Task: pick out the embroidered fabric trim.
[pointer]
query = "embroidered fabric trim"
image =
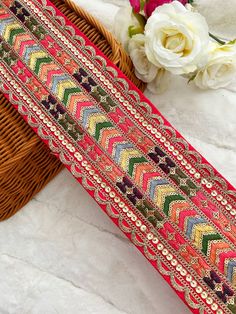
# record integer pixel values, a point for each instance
(171, 203)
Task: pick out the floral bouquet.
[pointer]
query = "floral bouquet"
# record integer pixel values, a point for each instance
(166, 37)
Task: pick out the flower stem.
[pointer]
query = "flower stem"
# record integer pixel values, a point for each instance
(217, 39)
(142, 4)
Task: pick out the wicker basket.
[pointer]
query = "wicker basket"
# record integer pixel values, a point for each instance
(26, 164)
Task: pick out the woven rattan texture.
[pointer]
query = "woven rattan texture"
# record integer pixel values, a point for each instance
(26, 164)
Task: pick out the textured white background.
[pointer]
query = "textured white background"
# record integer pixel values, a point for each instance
(62, 255)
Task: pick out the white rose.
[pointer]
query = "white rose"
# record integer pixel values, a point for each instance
(144, 69)
(176, 38)
(123, 20)
(220, 70)
(160, 83)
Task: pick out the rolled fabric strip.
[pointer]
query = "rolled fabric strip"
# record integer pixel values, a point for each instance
(165, 197)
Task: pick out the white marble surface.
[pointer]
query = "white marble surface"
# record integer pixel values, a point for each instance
(60, 254)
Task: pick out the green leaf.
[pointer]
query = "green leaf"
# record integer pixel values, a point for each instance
(231, 42)
(134, 30)
(192, 78)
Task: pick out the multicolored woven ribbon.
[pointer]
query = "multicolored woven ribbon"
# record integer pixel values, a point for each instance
(174, 206)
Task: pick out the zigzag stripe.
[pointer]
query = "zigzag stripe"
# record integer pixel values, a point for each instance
(140, 171)
(133, 164)
(34, 56)
(105, 135)
(21, 42)
(184, 216)
(224, 257)
(191, 222)
(53, 72)
(100, 127)
(161, 193)
(170, 199)
(108, 137)
(119, 147)
(47, 70)
(199, 231)
(76, 109)
(27, 49)
(62, 88)
(231, 271)
(216, 248)
(10, 30)
(227, 264)
(3, 14)
(56, 79)
(72, 95)
(4, 23)
(14, 33)
(149, 177)
(178, 208)
(116, 145)
(45, 61)
(85, 114)
(75, 101)
(206, 239)
(155, 183)
(128, 157)
(93, 121)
